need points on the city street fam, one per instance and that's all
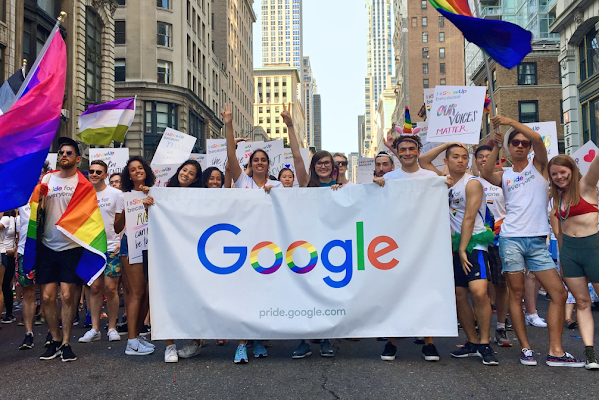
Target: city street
(356, 372)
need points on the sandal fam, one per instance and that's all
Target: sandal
(221, 342)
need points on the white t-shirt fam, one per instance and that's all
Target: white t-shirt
(6, 222)
(60, 192)
(111, 202)
(401, 174)
(457, 209)
(245, 182)
(495, 199)
(526, 196)
(24, 214)
(11, 233)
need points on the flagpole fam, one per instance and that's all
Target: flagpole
(489, 78)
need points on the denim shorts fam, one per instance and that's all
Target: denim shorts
(517, 253)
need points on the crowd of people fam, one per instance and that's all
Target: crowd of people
(500, 218)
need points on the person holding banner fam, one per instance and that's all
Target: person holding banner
(383, 163)
(522, 240)
(575, 214)
(341, 161)
(298, 161)
(322, 171)
(137, 175)
(286, 177)
(470, 239)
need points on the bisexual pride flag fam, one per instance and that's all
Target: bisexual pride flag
(106, 122)
(29, 126)
(504, 42)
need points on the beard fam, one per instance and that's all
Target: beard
(68, 164)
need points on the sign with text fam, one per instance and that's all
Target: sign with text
(547, 130)
(429, 95)
(174, 147)
(52, 159)
(163, 173)
(200, 158)
(136, 219)
(275, 150)
(585, 155)
(365, 170)
(116, 158)
(456, 114)
(438, 162)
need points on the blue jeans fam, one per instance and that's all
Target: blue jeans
(517, 253)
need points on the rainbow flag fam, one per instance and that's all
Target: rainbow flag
(29, 126)
(503, 41)
(407, 125)
(81, 222)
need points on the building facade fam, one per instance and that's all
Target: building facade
(361, 135)
(317, 122)
(384, 119)
(352, 167)
(577, 23)
(309, 86)
(400, 49)
(274, 86)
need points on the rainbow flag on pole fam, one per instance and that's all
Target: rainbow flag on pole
(407, 125)
(106, 122)
(503, 41)
(30, 124)
(81, 222)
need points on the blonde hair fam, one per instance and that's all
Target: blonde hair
(573, 188)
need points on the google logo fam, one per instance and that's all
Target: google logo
(373, 251)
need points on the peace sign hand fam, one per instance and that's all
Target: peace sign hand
(227, 114)
(286, 115)
(389, 139)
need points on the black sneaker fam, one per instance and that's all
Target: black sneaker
(145, 330)
(48, 339)
(429, 352)
(508, 326)
(122, 329)
(487, 354)
(67, 353)
(52, 351)
(9, 319)
(468, 350)
(27, 342)
(326, 349)
(389, 352)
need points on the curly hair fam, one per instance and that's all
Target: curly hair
(174, 181)
(412, 138)
(127, 183)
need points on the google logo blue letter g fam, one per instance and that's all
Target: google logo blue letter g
(242, 251)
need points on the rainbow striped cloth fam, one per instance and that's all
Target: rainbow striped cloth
(407, 125)
(81, 222)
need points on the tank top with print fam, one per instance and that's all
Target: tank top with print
(457, 209)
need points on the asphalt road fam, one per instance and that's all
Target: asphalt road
(356, 372)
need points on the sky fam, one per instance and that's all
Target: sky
(334, 35)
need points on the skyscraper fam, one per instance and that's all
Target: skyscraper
(317, 123)
(308, 84)
(379, 62)
(282, 32)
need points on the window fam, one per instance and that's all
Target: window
(165, 69)
(441, 21)
(588, 52)
(424, 37)
(119, 32)
(442, 83)
(120, 2)
(157, 117)
(2, 18)
(423, 4)
(197, 130)
(165, 34)
(528, 111)
(93, 56)
(494, 79)
(119, 70)
(424, 22)
(425, 52)
(441, 36)
(425, 69)
(527, 74)
(441, 52)
(425, 83)
(442, 68)
(166, 4)
(1, 65)
(414, 22)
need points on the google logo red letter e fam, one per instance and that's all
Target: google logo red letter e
(374, 253)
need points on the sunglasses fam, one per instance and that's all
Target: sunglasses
(67, 152)
(95, 171)
(524, 143)
(342, 163)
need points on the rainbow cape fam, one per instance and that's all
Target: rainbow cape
(503, 41)
(407, 125)
(81, 222)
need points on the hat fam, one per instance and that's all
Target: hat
(506, 139)
(385, 154)
(67, 141)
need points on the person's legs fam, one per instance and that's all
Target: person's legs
(502, 302)
(580, 290)
(9, 273)
(482, 308)
(28, 307)
(136, 286)
(2, 270)
(466, 315)
(69, 294)
(552, 282)
(111, 287)
(515, 282)
(531, 292)
(50, 304)
(95, 301)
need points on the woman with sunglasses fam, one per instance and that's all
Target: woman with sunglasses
(341, 161)
(136, 176)
(574, 218)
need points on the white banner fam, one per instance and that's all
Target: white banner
(456, 114)
(584, 156)
(115, 158)
(246, 267)
(174, 147)
(548, 130)
(136, 220)
(366, 170)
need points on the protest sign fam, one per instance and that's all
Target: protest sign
(429, 95)
(136, 220)
(200, 158)
(585, 155)
(275, 150)
(323, 270)
(163, 173)
(547, 130)
(174, 147)
(116, 158)
(365, 170)
(52, 159)
(438, 162)
(456, 114)
(216, 153)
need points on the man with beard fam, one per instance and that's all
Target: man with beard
(383, 163)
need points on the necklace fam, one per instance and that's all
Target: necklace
(560, 210)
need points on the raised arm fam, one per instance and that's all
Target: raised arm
(298, 161)
(488, 171)
(389, 142)
(227, 182)
(231, 146)
(426, 159)
(588, 183)
(540, 161)
(474, 196)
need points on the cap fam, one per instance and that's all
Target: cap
(70, 142)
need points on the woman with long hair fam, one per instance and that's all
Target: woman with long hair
(574, 218)
(213, 178)
(321, 170)
(136, 176)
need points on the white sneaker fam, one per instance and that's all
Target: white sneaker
(90, 336)
(136, 348)
(170, 354)
(145, 342)
(535, 320)
(113, 335)
(190, 350)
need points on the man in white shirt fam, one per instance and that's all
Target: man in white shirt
(111, 203)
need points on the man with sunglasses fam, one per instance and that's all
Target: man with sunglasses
(57, 255)
(111, 203)
(341, 161)
(522, 240)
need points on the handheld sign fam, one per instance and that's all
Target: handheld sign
(174, 147)
(548, 130)
(456, 114)
(365, 170)
(136, 219)
(438, 162)
(116, 158)
(163, 173)
(585, 155)
(275, 150)
(429, 95)
(52, 159)
(200, 158)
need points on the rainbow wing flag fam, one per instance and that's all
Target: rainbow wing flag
(29, 126)
(407, 125)
(81, 222)
(503, 41)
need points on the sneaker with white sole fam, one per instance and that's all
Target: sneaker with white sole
(259, 349)
(90, 336)
(591, 362)
(170, 354)
(535, 320)
(191, 349)
(146, 343)
(113, 335)
(241, 355)
(137, 348)
(567, 360)
(527, 357)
